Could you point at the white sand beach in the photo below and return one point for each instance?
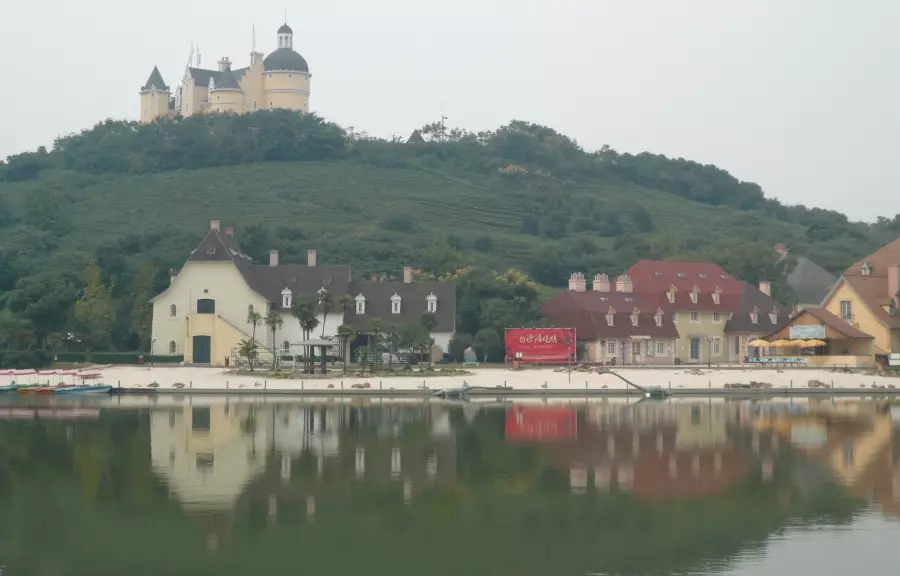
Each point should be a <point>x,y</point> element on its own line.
<point>528,379</point>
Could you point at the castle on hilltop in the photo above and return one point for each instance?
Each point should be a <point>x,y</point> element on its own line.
<point>280,80</point>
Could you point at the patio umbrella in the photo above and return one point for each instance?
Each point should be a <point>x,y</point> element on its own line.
<point>758,343</point>
<point>815,343</point>
<point>800,343</point>
<point>781,343</point>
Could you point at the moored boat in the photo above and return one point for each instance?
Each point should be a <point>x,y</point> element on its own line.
<point>89,389</point>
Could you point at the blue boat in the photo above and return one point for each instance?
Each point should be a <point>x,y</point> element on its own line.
<point>92,389</point>
<point>9,388</point>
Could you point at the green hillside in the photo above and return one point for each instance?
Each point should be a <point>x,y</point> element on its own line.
<point>522,196</point>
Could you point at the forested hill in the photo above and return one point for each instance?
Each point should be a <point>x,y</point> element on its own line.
<point>124,194</point>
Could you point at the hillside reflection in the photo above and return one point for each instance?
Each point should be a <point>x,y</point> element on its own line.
<point>214,486</point>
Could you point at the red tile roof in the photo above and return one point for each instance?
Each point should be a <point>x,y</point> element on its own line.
<point>586,312</point>
<point>652,279</point>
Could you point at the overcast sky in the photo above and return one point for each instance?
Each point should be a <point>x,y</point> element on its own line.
<point>800,96</point>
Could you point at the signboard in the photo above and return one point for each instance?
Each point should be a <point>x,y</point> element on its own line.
<point>894,359</point>
<point>540,345</point>
<point>539,424</point>
<point>807,332</point>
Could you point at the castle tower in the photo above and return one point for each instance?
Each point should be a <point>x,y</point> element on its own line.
<point>155,96</point>
<point>286,77</point>
<point>225,93</point>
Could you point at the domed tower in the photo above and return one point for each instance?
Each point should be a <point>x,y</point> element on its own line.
<point>155,97</point>
<point>225,93</point>
<point>286,78</point>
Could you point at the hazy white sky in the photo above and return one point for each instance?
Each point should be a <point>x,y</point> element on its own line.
<point>800,96</point>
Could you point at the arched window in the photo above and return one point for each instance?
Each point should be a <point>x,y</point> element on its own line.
<point>249,309</point>
<point>173,311</point>
<point>172,347</point>
<point>285,346</point>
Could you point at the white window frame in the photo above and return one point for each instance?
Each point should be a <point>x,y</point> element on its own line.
<point>695,314</point>
<point>694,295</point>
<point>660,347</point>
<point>609,320</point>
<point>637,347</point>
<point>773,317</point>
<point>717,298</point>
<point>173,311</point>
<point>754,317</point>
<point>717,318</point>
<point>847,310</point>
<point>634,319</point>
<point>658,318</point>
<point>360,304</point>
<point>611,347</point>
<point>173,347</point>
<point>671,296</point>
<point>431,303</point>
<point>717,346</point>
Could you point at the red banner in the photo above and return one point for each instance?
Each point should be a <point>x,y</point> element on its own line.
<point>540,345</point>
<point>532,424</point>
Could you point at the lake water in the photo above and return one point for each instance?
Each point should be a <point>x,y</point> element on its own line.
<point>202,485</point>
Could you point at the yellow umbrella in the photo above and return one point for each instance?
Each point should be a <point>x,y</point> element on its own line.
<point>800,343</point>
<point>758,343</point>
<point>815,343</point>
<point>780,343</point>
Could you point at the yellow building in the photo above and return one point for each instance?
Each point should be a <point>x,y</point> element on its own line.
<point>280,80</point>
<point>866,295</point>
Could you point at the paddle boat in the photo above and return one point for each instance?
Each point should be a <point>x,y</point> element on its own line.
<point>84,389</point>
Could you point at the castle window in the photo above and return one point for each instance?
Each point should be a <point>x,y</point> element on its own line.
<point>172,347</point>
<point>286,298</point>
<point>173,311</point>
<point>360,304</point>
<point>431,301</point>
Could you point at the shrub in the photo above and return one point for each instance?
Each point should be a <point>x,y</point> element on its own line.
<point>23,359</point>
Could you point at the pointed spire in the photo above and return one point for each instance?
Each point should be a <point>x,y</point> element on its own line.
<point>155,81</point>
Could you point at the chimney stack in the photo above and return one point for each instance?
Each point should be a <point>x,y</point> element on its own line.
<point>173,273</point>
<point>893,271</point>
<point>407,275</point>
<point>229,231</point>
<point>624,285</point>
<point>601,283</point>
<point>273,258</point>
<point>214,225</point>
<point>224,63</point>
<point>577,283</point>
<point>765,287</point>
<point>311,258</point>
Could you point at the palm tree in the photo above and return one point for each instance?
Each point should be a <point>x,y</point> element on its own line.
<point>345,334</point>
<point>255,319</point>
<point>345,303</point>
<point>304,310</point>
<point>273,321</point>
<point>326,305</point>
<point>249,349</point>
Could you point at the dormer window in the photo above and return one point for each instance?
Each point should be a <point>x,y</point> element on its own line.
<point>659,317</point>
<point>865,268</point>
<point>360,304</point>
<point>659,274</point>
<point>754,316</point>
<point>395,303</point>
<point>681,275</point>
<point>703,276</point>
<point>634,316</point>
<point>671,294</point>
<point>629,300</point>
<point>694,294</point>
<point>724,276</point>
<point>610,316</point>
<point>717,296</point>
<point>773,315</point>
<point>431,302</point>
<point>286,298</point>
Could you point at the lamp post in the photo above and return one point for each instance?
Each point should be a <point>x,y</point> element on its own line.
<point>709,342</point>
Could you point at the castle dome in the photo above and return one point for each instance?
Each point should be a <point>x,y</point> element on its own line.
<point>285,29</point>
<point>285,59</point>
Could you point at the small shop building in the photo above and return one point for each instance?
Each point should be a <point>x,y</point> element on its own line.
<point>816,337</point>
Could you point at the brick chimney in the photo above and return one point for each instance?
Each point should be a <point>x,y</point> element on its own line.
<point>577,283</point>
<point>407,275</point>
<point>214,225</point>
<point>273,258</point>
<point>311,258</point>
<point>765,287</point>
<point>624,285</point>
<point>601,283</point>
<point>229,231</point>
<point>893,272</point>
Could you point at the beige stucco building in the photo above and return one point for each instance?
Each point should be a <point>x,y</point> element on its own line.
<point>279,80</point>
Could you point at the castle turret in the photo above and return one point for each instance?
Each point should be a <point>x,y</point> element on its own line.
<point>155,96</point>
<point>286,79</point>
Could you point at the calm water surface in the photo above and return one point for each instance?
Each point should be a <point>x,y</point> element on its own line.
<point>239,486</point>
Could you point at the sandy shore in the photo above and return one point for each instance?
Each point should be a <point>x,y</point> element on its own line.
<point>533,379</point>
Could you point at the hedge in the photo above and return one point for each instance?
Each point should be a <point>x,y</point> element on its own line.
<point>117,358</point>
<point>23,359</point>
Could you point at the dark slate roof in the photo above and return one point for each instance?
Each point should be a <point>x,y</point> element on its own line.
<point>586,312</point>
<point>285,29</point>
<point>300,279</point>
<point>752,298</point>
<point>218,247</point>
<point>227,80</point>
<point>809,281</point>
<point>155,80</point>
<point>285,59</point>
<point>412,305</point>
<point>415,138</point>
<point>201,76</point>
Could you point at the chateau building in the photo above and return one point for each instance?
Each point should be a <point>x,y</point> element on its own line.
<point>279,80</point>
<point>204,313</point>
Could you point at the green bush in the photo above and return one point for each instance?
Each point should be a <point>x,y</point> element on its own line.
<point>120,358</point>
<point>27,359</point>
<point>71,357</point>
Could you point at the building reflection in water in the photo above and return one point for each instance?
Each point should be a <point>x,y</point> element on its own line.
<point>211,453</point>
